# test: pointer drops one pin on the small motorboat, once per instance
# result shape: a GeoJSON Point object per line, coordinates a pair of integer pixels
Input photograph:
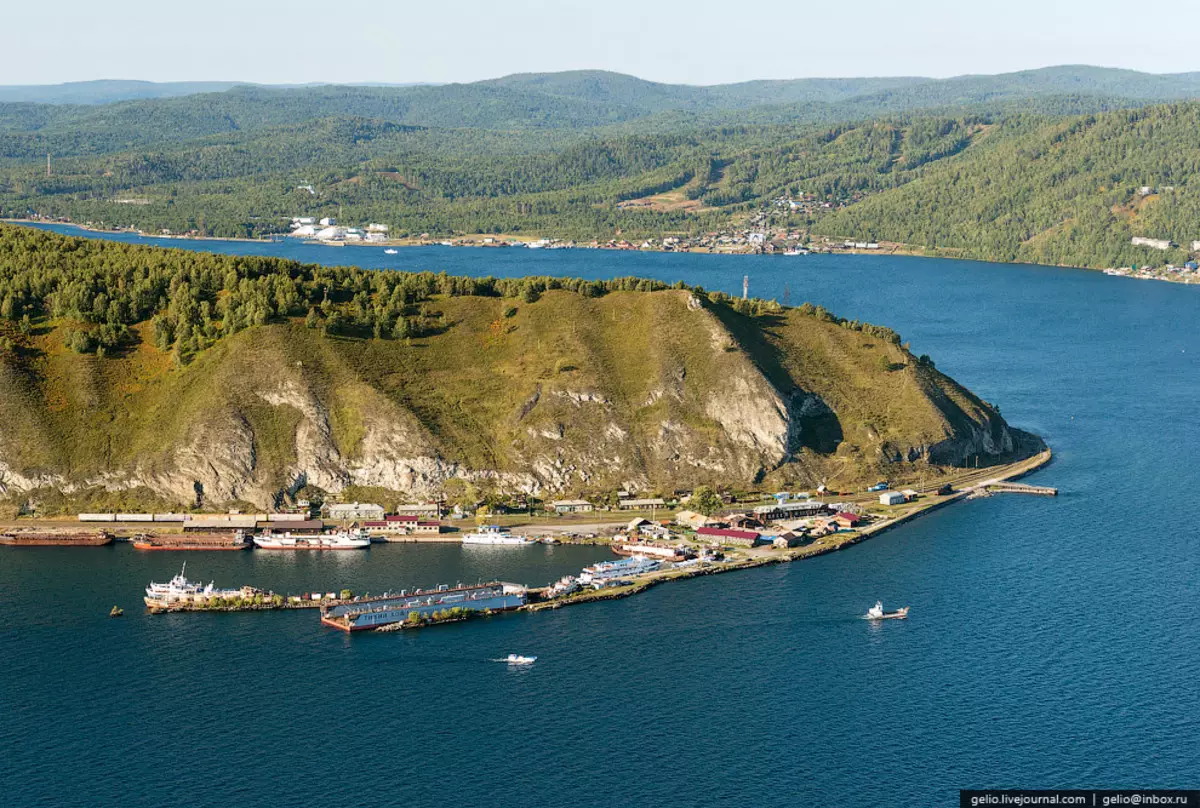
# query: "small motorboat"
{"type": "Point", "coordinates": [517, 659]}
{"type": "Point", "coordinates": [876, 612]}
{"type": "Point", "coordinates": [390, 251]}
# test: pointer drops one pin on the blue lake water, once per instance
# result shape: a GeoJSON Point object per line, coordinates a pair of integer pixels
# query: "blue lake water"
{"type": "Point", "coordinates": [1052, 643]}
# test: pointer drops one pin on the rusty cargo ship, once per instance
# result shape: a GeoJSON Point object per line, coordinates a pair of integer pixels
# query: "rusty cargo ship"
{"type": "Point", "coordinates": [193, 541]}
{"type": "Point", "coordinates": [56, 538]}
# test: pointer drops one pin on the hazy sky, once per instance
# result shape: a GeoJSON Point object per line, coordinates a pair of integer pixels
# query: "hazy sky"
{"type": "Point", "coordinates": [697, 41]}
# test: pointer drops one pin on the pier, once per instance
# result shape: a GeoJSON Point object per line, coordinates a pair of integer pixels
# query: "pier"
{"type": "Point", "coordinates": [1020, 488]}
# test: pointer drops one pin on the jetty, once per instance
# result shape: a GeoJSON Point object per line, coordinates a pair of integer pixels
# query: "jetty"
{"type": "Point", "coordinates": [1020, 488]}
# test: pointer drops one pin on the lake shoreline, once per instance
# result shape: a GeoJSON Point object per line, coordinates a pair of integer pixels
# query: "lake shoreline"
{"type": "Point", "coordinates": [893, 250]}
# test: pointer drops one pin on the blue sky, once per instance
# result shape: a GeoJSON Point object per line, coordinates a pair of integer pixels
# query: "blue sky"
{"type": "Point", "coordinates": [698, 42]}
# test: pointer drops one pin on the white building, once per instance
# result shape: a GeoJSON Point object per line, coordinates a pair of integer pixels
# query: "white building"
{"type": "Point", "coordinates": [377, 228]}
{"type": "Point", "coordinates": [891, 498]}
{"type": "Point", "coordinates": [1196, 246]}
{"type": "Point", "coordinates": [1155, 243]}
{"type": "Point", "coordinates": [328, 221]}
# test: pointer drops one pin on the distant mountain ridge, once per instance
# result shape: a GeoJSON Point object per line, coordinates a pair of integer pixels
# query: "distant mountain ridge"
{"type": "Point", "coordinates": [641, 96]}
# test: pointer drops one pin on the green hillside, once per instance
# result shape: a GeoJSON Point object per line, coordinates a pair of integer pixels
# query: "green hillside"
{"type": "Point", "coordinates": [130, 373]}
{"type": "Point", "coordinates": [995, 167]}
{"type": "Point", "coordinates": [1067, 192]}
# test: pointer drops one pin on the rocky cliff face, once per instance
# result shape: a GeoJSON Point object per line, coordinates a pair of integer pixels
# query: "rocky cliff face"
{"type": "Point", "coordinates": [649, 391]}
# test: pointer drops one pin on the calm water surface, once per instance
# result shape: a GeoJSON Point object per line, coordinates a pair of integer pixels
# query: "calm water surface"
{"type": "Point", "coordinates": [1052, 642]}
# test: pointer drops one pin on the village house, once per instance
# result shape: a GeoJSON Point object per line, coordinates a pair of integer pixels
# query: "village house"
{"type": "Point", "coordinates": [428, 510]}
{"type": "Point", "coordinates": [691, 519]}
{"type": "Point", "coordinates": [730, 536]}
{"type": "Point", "coordinates": [640, 504]}
{"type": "Point", "coordinates": [572, 506]}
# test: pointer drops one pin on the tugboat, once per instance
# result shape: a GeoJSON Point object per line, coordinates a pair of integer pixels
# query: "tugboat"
{"type": "Point", "coordinates": [876, 612]}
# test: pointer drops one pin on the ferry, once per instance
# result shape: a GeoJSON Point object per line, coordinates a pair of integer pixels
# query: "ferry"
{"type": "Point", "coordinates": [494, 534]}
{"type": "Point", "coordinates": [876, 612]}
{"type": "Point", "coordinates": [342, 540]}
{"type": "Point", "coordinates": [611, 570]}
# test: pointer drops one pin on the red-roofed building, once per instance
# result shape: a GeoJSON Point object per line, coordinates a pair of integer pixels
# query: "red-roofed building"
{"type": "Point", "coordinates": [845, 519]}
{"type": "Point", "coordinates": [726, 535]}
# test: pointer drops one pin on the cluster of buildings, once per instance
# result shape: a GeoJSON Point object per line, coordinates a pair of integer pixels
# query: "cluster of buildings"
{"type": "Point", "coordinates": [422, 519]}
{"type": "Point", "coordinates": [327, 229]}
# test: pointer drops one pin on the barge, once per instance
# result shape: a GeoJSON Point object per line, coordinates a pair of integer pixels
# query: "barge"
{"type": "Point", "coordinates": [192, 541]}
{"type": "Point", "coordinates": [372, 613]}
{"type": "Point", "coordinates": [55, 538]}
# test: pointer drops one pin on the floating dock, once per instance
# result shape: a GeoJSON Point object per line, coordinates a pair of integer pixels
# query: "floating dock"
{"type": "Point", "coordinates": [372, 613]}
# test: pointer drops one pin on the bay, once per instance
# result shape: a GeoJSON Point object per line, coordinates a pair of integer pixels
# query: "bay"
{"type": "Point", "coordinates": [1052, 643]}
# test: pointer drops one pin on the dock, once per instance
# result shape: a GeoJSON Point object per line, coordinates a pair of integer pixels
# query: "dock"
{"type": "Point", "coordinates": [420, 606]}
{"type": "Point", "coordinates": [1020, 488]}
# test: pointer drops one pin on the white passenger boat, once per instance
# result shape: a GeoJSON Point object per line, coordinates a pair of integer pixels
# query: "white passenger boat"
{"type": "Point", "coordinates": [342, 540]}
{"type": "Point", "coordinates": [517, 659]}
{"type": "Point", "coordinates": [876, 612]}
{"type": "Point", "coordinates": [611, 570]}
{"type": "Point", "coordinates": [494, 534]}
{"type": "Point", "coordinates": [390, 251]}
{"type": "Point", "coordinates": [180, 590]}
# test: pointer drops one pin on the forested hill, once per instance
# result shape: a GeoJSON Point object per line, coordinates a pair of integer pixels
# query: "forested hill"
{"type": "Point", "coordinates": [996, 167]}
{"type": "Point", "coordinates": [134, 376]}
{"type": "Point", "coordinates": [578, 100]}
{"type": "Point", "coordinates": [1072, 192]}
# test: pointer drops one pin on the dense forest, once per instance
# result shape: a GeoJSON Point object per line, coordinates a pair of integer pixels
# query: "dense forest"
{"type": "Point", "coordinates": [100, 290]}
{"type": "Point", "coordinates": [1046, 165]}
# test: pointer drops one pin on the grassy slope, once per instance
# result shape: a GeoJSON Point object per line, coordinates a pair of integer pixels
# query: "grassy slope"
{"type": "Point", "coordinates": [465, 392]}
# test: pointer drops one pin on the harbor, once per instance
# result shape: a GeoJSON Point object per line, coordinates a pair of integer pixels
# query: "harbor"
{"type": "Point", "coordinates": [647, 554]}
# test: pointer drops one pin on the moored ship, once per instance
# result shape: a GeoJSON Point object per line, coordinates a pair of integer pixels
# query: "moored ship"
{"type": "Point", "coordinates": [193, 541]}
{"type": "Point", "coordinates": [494, 534]}
{"type": "Point", "coordinates": [180, 591]}
{"type": "Point", "coordinates": [605, 571]}
{"type": "Point", "coordinates": [342, 540]}
{"type": "Point", "coordinates": [56, 538]}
